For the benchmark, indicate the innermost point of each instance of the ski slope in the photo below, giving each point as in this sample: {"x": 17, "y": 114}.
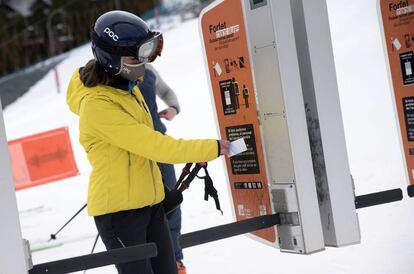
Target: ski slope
{"x": 372, "y": 141}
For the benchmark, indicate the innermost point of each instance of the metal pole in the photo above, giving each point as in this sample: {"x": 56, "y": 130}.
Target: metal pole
{"x": 117, "y": 4}
{"x": 12, "y": 259}
{"x": 50, "y": 35}
{"x": 53, "y": 236}
{"x": 156, "y": 13}
{"x": 55, "y": 70}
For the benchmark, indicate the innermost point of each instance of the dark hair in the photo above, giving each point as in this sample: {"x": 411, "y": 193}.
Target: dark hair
{"x": 92, "y": 75}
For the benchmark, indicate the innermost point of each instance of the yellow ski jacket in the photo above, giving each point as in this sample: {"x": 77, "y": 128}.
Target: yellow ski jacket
{"x": 116, "y": 131}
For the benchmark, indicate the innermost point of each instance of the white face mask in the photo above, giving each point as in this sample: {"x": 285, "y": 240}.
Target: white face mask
{"x": 132, "y": 72}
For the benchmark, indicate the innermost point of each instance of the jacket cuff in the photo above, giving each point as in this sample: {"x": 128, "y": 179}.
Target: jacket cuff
{"x": 219, "y": 148}
{"x": 177, "y": 109}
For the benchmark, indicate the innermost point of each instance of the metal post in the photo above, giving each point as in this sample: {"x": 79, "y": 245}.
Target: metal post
{"x": 117, "y": 4}
{"x": 324, "y": 120}
{"x": 56, "y": 72}
{"x": 156, "y": 14}
{"x": 50, "y": 35}
{"x": 12, "y": 259}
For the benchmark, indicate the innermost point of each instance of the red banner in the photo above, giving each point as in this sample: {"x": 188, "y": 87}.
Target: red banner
{"x": 42, "y": 158}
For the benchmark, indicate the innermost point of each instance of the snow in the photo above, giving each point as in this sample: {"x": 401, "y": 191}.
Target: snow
{"x": 372, "y": 141}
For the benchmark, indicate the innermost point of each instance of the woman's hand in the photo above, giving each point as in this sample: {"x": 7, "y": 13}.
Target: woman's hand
{"x": 168, "y": 113}
{"x": 224, "y": 147}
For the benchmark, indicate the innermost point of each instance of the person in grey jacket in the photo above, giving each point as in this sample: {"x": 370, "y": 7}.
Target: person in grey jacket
{"x": 153, "y": 86}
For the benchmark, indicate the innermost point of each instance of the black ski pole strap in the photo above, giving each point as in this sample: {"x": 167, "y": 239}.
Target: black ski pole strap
{"x": 193, "y": 173}
{"x": 184, "y": 173}
{"x": 210, "y": 190}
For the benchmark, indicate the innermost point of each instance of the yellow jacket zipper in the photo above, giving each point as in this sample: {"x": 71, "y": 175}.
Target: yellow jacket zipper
{"x": 153, "y": 183}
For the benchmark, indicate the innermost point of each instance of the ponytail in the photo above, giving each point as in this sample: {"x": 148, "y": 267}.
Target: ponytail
{"x": 92, "y": 75}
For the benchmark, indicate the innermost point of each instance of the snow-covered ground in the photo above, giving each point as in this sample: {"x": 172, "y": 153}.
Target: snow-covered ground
{"x": 372, "y": 141}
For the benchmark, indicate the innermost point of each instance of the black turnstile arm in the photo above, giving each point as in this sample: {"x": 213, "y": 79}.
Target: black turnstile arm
{"x": 149, "y": 250}
{"x": 228, "y": 230}
{"x": 378, "y": 198}
{"x": 410, "y": 191}
{"x": 114, "y": 256}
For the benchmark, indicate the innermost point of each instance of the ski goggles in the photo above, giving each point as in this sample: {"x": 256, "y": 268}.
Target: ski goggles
{"x": 145, "y": 51}
{"x": 150, "y": 49}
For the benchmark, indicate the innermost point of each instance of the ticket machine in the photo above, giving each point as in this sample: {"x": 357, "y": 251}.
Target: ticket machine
{"x": 273, "y": 83}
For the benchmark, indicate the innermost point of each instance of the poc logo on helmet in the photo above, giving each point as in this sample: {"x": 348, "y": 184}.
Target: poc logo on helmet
{"x": 111, "y": 34}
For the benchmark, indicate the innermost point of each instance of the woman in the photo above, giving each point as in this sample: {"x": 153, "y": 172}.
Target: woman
{"x": 125, "y": 189}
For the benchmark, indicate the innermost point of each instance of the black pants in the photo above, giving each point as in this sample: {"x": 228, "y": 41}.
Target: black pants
{"x": 138, "y": 226}
{"x": 174, "y": 218}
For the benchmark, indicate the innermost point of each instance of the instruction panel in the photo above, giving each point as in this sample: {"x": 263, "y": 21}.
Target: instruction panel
{"x": 225, "y": 42}
{"x": 398, "y": 24}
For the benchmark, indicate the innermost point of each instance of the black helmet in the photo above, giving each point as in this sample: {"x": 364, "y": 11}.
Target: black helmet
{"x": 120, "y": 33}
